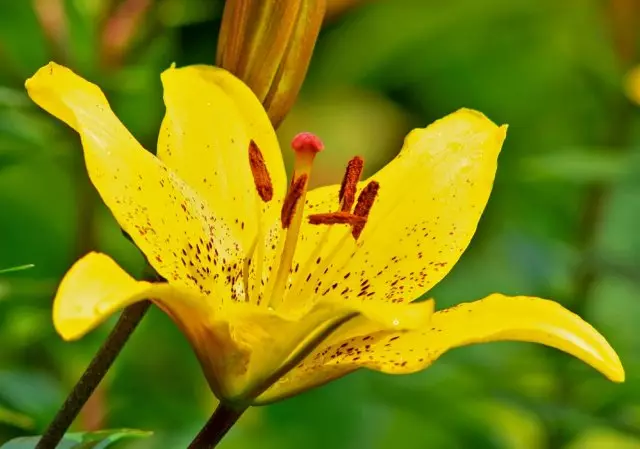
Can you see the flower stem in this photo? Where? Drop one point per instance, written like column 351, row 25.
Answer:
column 217, row 427
column 129, row 320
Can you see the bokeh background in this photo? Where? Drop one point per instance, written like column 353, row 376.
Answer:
column 562, row 222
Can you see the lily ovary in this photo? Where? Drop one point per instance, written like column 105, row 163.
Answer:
column 280, row 289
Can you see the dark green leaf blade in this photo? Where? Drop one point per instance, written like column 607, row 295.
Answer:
column 101, row 439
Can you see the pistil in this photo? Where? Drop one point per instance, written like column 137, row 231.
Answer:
column 305, row 146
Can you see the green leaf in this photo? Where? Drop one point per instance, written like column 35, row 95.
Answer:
column 176, row 13
column 578, row 165
column 18, row 268
column 20, row 56
column 81, row 440
column 15, row 419
column 34, row 394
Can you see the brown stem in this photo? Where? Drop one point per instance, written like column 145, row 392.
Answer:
column 94, row 373
column 217, row 427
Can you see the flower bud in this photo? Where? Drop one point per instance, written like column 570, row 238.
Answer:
column 268, row 45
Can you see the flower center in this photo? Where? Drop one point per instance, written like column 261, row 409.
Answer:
column 306, row 146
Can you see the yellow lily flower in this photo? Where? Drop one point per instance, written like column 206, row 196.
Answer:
column 280, row 290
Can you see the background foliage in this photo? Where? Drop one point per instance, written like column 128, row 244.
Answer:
column 561, row 223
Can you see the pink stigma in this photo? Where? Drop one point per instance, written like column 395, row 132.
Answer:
column 307, row 142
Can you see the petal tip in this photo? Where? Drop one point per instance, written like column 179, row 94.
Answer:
column 76, row 306
column 46, row 70
column 68, row 329
column 613, row 370
column 618, row 376
column 168, row 71
column 474, row 115
column 477, row 121
column 472, row 112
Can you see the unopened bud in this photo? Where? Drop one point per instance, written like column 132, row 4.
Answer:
column 268, row 45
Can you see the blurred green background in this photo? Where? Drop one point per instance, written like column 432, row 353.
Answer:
column 562, row 222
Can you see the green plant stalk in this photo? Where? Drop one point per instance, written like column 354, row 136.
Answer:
column 93, row 375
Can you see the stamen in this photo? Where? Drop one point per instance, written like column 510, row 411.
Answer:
column 350, row 183
column 260, row 173
column 363, row 206
column 336, row 218
column 298, row 187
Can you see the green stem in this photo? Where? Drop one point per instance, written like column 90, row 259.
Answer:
column 217, row 427
column 95, row 372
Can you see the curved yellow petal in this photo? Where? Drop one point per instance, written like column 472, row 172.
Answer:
column 495, row 318
column 504, row 318
column 255, row 344
column 211, row 119
column 172, row 225
column 96, row 287
column 239, row 347
column 430, row 199
column 259, row 345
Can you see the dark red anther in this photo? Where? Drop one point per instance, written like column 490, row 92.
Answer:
column 260, row 173
column 332, row 218
column 364, row 204
column 350, row 183
column 291, row 200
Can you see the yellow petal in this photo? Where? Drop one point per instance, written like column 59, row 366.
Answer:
column 211, row 118
column 372, row 322
column 239, row 347
column 256, row 345
column 165, row 218
column 495, row 318
column 430, row 199
column 95, row 287
column 504, row 318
